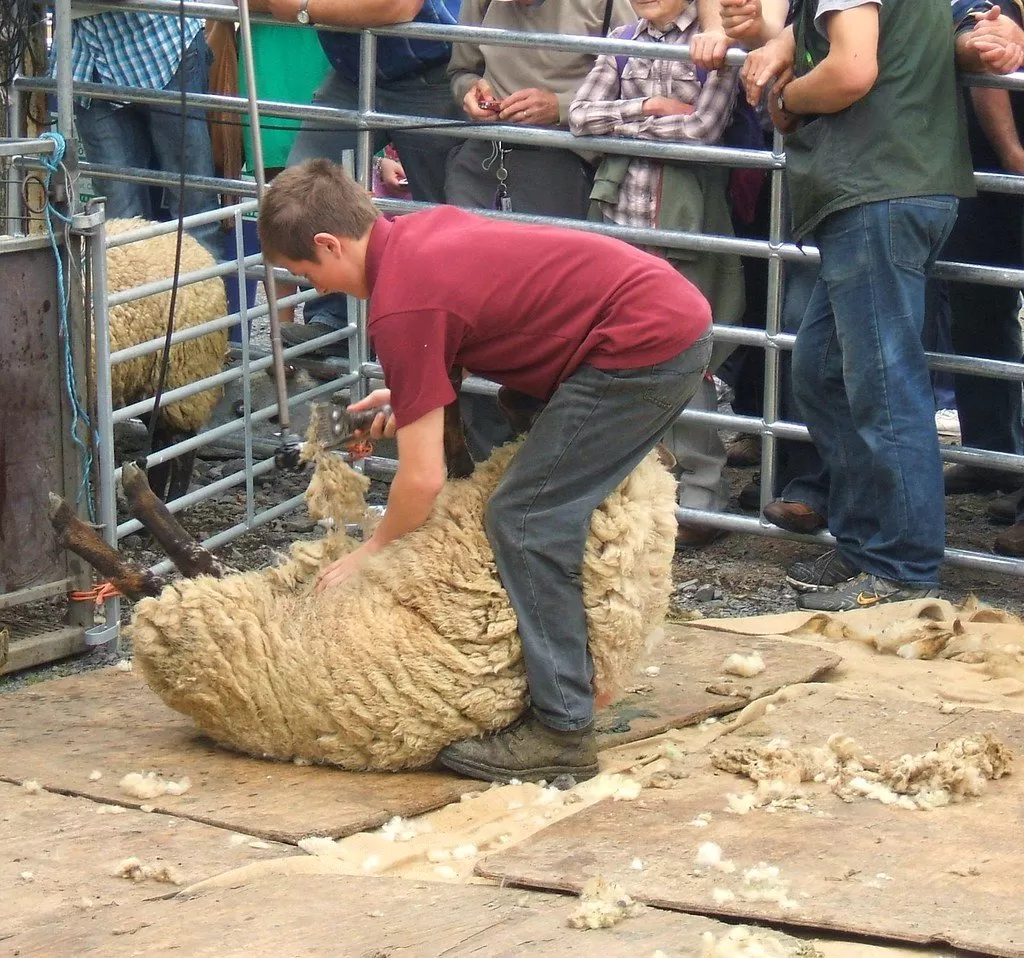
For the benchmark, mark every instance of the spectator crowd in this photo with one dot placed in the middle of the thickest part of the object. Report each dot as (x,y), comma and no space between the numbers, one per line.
(881,139)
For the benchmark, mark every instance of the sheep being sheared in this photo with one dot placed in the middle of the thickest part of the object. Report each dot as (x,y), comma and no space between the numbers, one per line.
(416,651)
(147,261)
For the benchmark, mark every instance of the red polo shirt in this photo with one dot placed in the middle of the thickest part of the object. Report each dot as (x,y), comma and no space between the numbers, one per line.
(521,305)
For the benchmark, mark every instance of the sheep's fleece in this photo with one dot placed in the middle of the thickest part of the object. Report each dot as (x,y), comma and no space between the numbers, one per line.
(417,650)
(147,261)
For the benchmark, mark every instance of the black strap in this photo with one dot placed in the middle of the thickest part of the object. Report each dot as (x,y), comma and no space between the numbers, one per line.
(607,17)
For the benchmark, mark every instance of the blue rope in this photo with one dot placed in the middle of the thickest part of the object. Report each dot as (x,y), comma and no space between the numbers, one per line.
(79,414)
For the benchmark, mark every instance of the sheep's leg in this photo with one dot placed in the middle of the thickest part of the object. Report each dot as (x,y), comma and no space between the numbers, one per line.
(520,409)
(456,452)
(188,555)
(181,474)
(84,541)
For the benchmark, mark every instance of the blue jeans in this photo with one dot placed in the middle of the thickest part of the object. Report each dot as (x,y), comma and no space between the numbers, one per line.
(861,380)
(595,430)
(149,137)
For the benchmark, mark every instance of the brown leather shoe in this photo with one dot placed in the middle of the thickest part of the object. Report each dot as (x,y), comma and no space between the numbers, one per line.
(697,537)
(1011,542)
(1003,509)
(793,516)
(744,451)
(960,479)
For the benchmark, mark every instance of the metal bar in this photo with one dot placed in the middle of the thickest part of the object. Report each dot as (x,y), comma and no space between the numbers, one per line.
(19,146)
(250,495)
(62,41)
(171,226)
(106,494)
(185,279)
(256,139)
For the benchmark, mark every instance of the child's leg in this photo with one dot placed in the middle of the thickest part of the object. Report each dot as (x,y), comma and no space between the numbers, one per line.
(591,435)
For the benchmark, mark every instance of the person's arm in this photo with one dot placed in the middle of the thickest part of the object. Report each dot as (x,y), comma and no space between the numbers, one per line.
(725,23)
(995,115)
(597,108)
(343,13)
(418,482)
(466,66)
(705,122)
(848,72)
(986,40)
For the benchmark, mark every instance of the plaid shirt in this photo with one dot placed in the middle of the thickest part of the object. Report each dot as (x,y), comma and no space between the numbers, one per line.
(127,49)
(608,103)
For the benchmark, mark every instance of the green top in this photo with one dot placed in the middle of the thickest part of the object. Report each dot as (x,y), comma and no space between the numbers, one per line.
(906,137)
(289,64)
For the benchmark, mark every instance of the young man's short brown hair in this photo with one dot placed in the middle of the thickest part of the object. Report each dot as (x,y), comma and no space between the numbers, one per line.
(316,196)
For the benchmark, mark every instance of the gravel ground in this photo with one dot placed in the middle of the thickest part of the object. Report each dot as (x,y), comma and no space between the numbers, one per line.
(739,575)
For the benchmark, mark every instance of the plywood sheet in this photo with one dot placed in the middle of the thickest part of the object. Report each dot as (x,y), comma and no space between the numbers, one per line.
(358,918)
(59,852)
(863,868)
(690,685)
(59,732)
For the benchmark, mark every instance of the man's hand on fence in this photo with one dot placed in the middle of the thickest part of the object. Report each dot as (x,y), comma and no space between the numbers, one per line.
(742,20)
(666,106)
(708,49)
(998,42)
(771,62)
(533,106)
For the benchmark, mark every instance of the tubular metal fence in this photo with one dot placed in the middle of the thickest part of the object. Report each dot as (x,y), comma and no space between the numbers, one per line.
(775,249)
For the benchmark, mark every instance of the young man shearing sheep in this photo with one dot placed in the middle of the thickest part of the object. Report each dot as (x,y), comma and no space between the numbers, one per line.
(613,338)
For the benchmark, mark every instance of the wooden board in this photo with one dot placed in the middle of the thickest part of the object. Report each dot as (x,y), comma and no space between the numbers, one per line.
(59,850)
(690,663)
(59,732)
(358,918)
(946,876)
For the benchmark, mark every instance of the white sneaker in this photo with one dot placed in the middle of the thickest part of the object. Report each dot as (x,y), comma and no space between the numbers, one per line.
(947,424)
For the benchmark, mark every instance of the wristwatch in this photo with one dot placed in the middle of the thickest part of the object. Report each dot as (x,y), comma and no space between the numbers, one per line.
(780,101)
(303,15)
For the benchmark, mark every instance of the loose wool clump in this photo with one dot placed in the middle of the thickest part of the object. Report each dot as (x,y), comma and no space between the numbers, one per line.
(147,261)
(136,870)
(743,665)
(150,785)
(417,650)
(950,774)
(603,904)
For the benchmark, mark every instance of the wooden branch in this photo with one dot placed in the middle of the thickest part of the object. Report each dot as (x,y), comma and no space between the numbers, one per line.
(85,542)
(189,556)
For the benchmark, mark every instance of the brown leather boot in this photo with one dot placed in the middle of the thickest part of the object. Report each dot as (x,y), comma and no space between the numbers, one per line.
(527,750)
(1011,542)
(793,516)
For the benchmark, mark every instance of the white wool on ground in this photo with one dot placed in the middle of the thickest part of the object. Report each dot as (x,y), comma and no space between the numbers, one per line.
(764,882)
(437,855)
(150,785)
(31,786)
(137,870)
(637,865)
(371,862)
(722,896)
(397,829)
(460,852)
(147,808)
(95,775)
(446,871)
(602,904)
(652,670)
(258,844)
(239,839)
(746,665)
(110,809)
(744,942)
(27,876)
(951,773)
(125,665)
(322,847)
(709,855)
